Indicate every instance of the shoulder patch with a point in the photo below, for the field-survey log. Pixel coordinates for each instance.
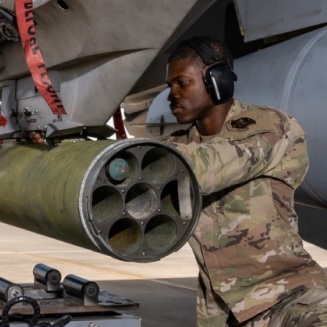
(242, 123)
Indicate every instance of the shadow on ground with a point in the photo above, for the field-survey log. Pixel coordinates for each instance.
(163, 303)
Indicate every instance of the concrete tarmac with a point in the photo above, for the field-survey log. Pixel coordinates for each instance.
(165, 290)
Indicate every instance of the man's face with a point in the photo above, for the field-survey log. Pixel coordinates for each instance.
(189, 100)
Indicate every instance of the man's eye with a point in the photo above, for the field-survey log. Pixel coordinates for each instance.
(182, 83)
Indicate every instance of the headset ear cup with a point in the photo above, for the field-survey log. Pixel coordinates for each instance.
(219, 82)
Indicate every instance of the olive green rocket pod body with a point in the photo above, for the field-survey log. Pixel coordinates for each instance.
(135, 200)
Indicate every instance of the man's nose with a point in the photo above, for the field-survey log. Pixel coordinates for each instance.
(172, 94)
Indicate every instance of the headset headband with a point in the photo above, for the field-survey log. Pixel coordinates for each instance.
(204, 50)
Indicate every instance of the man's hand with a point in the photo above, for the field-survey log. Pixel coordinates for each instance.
(36, 137)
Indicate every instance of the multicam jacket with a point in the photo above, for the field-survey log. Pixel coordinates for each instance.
(247, 242)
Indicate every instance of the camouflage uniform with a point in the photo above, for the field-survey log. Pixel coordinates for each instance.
(247, 244)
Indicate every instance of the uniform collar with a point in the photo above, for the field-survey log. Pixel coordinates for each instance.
(235, 109)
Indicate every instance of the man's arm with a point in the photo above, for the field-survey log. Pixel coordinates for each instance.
(221, 162)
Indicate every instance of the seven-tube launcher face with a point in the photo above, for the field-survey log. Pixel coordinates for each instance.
(135, 199)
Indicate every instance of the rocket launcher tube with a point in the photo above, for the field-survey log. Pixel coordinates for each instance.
(72, 193)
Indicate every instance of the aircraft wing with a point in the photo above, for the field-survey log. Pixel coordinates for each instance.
(260, 19)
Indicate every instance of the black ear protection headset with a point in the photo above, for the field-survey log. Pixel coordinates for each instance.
(219, 77)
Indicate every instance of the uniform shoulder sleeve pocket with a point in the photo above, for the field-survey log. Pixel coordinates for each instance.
(258, 120)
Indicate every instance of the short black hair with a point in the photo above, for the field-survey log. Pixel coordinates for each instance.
(184, 51)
